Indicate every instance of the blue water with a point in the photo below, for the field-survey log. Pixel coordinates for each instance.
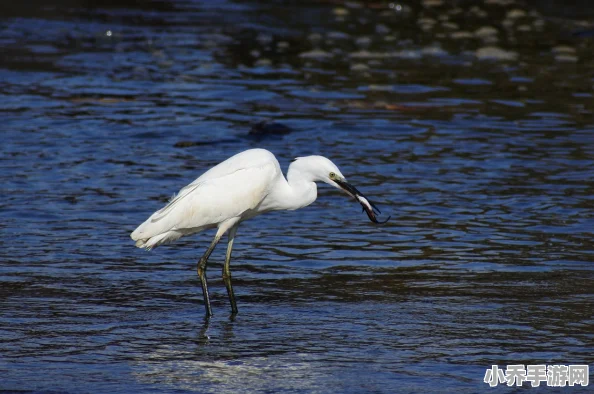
(485, 164)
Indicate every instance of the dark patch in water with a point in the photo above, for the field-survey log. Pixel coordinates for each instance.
(266, 128)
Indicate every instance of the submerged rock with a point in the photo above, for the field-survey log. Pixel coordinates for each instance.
(486, 32)
(495, 53)
(359, 67)
(315, 54)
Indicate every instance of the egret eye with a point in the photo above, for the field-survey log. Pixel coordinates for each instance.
(332, 175)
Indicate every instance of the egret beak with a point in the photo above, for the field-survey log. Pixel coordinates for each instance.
(370, 208)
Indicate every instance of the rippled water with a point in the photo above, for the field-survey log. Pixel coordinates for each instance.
(470, 124)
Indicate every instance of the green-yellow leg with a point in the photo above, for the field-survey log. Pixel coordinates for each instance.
(227, 270)
(202, 274)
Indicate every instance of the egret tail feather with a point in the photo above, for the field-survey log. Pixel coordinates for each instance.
(153, 242)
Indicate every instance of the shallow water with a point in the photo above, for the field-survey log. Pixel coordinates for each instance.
(479, 143)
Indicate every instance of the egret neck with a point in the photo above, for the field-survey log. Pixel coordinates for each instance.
(297, 191)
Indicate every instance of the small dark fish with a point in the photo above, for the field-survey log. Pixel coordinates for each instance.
(370, 208)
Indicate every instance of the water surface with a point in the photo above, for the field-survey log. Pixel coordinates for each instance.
(471, 125)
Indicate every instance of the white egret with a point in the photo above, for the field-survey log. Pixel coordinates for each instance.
(241, 187)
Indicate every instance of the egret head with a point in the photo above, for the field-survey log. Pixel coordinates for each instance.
(323, 170)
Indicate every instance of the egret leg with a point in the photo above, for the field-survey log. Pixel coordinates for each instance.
(227, 271)
(202, 273)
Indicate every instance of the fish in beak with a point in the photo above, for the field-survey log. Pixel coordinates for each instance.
(370, 208)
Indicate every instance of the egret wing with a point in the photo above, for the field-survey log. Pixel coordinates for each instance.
(211, 201)
(184, 192)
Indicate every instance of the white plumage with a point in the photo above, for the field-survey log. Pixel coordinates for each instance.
(208, 202)
(241, 187)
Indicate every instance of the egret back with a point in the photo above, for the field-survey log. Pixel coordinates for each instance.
(247, 159)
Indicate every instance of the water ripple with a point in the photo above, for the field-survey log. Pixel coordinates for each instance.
(485, 167)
